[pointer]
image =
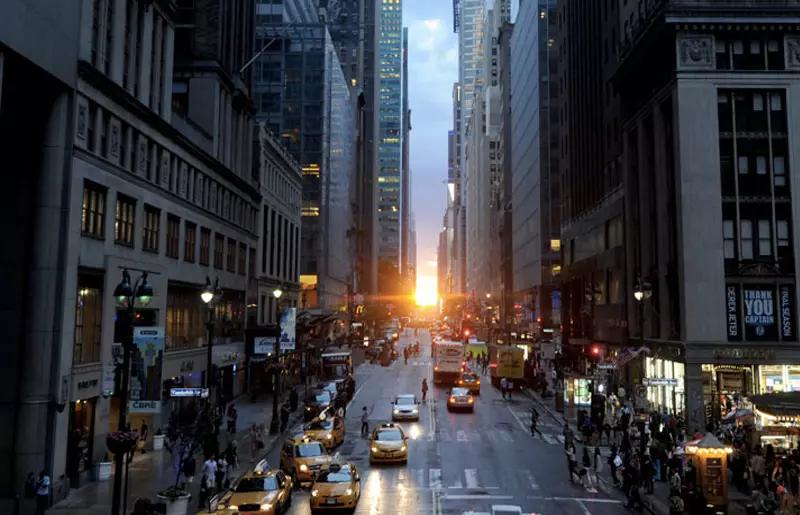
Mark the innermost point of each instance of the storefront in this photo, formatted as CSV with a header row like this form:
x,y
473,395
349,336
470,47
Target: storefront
x,y
665,386
184,370
230,361
81,449
778,378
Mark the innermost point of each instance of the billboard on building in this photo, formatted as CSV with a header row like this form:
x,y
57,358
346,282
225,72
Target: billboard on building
x,y
146,361
288,340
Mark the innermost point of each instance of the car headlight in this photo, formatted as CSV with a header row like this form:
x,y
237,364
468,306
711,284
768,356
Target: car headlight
x,y
266,506
329,436
396,411
303,468
403,448
314,493
233,507
349,491
414,410
374,449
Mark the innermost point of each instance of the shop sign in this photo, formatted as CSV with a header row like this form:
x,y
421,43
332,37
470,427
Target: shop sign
x,y
264,345
146,363
187,366
759,312
189,392
660,381
745,354
732,313
786,301
89,383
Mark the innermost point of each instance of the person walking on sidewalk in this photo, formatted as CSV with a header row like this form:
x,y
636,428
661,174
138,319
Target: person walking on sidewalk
x,y
233,415
256,441
42,493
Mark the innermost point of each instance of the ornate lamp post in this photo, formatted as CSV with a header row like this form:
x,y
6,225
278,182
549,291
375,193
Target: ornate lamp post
x,y
127,295
275,424
211,295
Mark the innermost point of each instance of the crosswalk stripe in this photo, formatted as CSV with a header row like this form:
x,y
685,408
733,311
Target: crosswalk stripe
x,y
461,436
549,438
560,438
401,476
531,480
471,476
435,478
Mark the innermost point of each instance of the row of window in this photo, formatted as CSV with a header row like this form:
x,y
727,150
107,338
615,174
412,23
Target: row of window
x,y
104,135
93,224
756,239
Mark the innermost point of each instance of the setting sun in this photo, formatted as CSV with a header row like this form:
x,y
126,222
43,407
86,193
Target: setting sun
x,y
426,294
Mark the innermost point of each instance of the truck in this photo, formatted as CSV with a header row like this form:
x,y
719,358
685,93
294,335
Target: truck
x,y
506,361
448,362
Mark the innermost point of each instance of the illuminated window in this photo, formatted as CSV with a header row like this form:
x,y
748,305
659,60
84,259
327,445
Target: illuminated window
x,y
555,245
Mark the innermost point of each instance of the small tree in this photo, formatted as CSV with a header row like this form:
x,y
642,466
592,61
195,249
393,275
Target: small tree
x,y
188,433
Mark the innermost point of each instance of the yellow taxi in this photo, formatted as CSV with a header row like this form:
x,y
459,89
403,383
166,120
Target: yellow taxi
x,y
261,491
337,487
325,429
470,381
302,458
388,444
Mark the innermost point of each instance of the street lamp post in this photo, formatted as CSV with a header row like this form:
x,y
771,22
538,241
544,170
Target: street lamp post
x,y
641,292
211,296
274,425
126,296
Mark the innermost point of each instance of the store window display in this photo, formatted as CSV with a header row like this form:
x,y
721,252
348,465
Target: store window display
x,y
79,442
665,385
779,378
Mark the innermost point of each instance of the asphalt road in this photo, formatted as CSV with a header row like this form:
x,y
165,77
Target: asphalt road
x,y
459,461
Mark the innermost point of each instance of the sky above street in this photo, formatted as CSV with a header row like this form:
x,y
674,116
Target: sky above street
x,y
433,68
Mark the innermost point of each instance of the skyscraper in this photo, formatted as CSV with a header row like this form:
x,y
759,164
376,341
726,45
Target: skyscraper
x,y
405,188
390,131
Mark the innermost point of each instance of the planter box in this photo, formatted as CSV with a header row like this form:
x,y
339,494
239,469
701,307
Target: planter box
x,y
158,442
178,506
102,471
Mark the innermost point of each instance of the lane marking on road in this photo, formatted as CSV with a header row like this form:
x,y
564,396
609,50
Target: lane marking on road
x,y
461,436
549,439
358,390
434,478
584,508
471,476
520,422
531,480
475,497
580,499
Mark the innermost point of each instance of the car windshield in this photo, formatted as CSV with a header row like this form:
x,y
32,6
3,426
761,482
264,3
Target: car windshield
x,y
404,401
457,392
342,476
319,425
256,484
308,450
323,398
392,435
470,378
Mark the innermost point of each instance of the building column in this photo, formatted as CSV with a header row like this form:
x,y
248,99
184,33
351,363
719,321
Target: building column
x,y
695,407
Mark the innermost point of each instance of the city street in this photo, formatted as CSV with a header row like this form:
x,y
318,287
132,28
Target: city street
x,y
459,461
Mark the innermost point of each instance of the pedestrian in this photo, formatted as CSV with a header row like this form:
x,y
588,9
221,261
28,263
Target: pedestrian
x,y
189,469
569,436
503,386
220,474
210,472
231,455
143,431
534,420
285,412
365,421
42,493
233,415
256,441
510,386
572,462
597,467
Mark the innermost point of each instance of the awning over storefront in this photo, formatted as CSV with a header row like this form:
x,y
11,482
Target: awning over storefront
x,y
784,404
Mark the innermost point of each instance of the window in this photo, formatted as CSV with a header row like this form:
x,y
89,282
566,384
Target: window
x,y
251,264
779,170
746,238
88,319
242,259
728,239
205,246
219,251
189,241
93,210
152,219
783,233
91,122
186,319
123,225
764,238
231,264
173,236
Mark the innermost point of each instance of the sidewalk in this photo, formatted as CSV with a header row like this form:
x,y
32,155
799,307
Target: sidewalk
x,y
656,503
153,472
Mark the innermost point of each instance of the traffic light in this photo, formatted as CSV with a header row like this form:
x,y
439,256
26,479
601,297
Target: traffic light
x,y
596,351
466,333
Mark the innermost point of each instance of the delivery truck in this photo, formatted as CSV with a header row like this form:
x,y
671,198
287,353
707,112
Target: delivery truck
x,y
448,362
506,361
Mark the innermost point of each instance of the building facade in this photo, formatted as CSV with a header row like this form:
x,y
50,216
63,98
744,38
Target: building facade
x,y
278,226
405,184
390,131
590,165
710,207
152,185
312,115
534,167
